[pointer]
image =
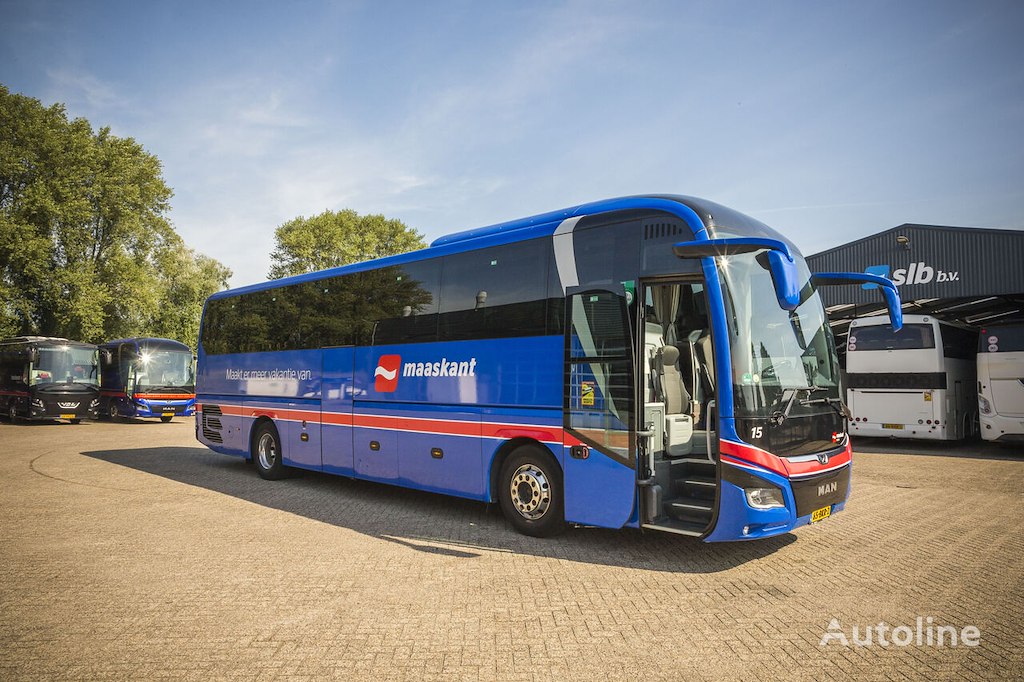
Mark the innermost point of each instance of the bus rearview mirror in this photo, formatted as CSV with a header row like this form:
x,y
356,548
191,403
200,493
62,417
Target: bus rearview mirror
x,y
890,294
780,261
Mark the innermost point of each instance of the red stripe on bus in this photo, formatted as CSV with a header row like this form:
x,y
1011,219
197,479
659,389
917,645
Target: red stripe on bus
x,y
164,396
756,456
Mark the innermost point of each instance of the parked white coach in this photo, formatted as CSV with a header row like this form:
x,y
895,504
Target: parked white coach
x,y
1001,382
919,382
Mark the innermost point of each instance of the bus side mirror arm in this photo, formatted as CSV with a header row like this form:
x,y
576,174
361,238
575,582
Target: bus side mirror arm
x,y
889,292
780,261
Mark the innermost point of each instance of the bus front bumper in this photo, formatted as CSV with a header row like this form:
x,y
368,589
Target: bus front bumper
x,y
807,500
999,428
162,408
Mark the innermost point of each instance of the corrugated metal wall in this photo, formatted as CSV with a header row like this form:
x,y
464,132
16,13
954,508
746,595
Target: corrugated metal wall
x,y
936,262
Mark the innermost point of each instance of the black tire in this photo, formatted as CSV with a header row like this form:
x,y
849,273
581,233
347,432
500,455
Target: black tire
x,y
12,410
112,410
75,421
266,452
530,492
102,414
166,419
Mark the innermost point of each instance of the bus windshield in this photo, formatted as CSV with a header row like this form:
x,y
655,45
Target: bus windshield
x,y
1007,339
783,361
66,365
162,369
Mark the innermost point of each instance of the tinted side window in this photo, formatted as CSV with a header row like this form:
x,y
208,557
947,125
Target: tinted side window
x,y
330,307
958,343
608,254
400,302
496,292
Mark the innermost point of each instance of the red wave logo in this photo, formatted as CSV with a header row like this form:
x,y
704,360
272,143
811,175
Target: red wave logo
x,y
386,374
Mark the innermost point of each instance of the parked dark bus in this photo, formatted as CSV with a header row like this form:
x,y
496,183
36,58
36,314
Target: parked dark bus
x,y
147,377
49,378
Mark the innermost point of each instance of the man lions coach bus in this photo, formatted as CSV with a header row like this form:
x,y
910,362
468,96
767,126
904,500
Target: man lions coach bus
x,y
659,362
147,377
49,378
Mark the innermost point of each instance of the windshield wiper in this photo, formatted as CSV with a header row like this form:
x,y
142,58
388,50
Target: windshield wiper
x,y
780,416
836,404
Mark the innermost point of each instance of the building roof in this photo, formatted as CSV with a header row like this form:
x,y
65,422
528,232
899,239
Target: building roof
x,y
963,274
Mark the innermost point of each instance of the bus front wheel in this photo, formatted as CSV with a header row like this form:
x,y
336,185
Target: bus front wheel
x,y
12,410
266,452
530,492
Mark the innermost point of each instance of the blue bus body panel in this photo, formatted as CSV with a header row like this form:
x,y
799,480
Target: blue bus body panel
x,y
599,491
435,416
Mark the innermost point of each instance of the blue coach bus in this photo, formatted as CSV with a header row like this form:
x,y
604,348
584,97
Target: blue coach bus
x,y
147,377
660,362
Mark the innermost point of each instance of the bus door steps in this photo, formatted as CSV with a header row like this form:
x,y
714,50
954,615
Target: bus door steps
x,y
691,510
693,485
679,527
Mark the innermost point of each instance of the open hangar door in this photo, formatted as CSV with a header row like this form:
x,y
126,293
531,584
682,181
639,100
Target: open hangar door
x,y
970,276
956,274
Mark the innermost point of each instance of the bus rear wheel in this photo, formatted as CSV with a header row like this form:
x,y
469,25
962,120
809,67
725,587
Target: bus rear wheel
x,y
530,492
266,452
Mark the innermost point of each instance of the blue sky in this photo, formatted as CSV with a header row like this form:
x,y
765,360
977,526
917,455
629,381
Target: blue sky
x,y
828,120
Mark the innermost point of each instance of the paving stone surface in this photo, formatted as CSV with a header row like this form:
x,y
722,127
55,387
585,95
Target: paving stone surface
x,y
129,551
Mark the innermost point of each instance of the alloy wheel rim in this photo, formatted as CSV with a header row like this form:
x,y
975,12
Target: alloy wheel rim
x,y
531,492
267,450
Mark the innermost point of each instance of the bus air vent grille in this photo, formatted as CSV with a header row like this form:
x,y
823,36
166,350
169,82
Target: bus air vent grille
x,y
661,230
211,423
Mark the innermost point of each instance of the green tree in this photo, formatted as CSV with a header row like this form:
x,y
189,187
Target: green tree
x,y
186,279
86,248
335,238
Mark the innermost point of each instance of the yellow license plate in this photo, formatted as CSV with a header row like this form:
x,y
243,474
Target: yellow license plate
x,y
820,514
892,426
68,416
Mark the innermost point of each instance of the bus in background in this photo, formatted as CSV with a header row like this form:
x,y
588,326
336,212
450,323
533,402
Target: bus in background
x,y
661,362
48,378
147,377
915,383
1001,382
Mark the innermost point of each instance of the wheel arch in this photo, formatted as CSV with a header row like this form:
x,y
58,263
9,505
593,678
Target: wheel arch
x,y
253,428
504,451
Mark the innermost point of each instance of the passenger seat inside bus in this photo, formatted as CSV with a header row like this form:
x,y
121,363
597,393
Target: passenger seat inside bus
x,y
678,422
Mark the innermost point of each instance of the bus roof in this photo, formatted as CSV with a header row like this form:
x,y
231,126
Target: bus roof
x,y
150,341
701,215
44,341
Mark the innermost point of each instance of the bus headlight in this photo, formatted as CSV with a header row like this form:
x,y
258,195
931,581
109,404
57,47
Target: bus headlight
x,y
764,498
984,406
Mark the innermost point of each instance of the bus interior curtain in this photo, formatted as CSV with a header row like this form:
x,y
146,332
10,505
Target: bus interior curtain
x,y
666,301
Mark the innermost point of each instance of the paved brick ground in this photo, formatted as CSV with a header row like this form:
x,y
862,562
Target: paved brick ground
x,y
128,551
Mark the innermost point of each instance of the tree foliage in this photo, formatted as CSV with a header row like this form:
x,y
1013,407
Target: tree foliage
x,y
86,249
335,238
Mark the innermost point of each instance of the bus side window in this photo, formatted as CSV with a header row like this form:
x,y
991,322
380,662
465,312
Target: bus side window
x,y
494,293
400,303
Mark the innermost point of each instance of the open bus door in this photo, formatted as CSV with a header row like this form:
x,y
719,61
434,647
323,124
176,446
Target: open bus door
x,y
679,442
599,414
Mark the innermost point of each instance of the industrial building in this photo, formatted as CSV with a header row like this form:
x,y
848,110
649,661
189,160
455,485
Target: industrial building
x,y
957,274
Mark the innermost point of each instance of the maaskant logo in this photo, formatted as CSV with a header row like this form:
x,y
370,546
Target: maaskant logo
x,y
916,273
386,374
